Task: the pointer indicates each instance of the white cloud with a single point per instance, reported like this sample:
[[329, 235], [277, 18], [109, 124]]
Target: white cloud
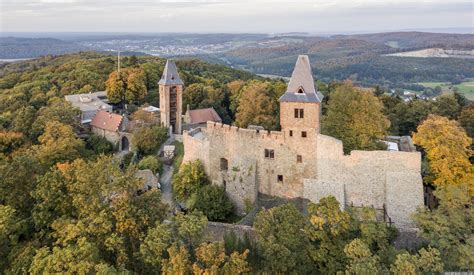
[[231, 15]]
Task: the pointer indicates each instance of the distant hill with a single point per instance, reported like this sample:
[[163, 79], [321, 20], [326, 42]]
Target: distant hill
[[362, 58], [14, 47], [417, 39]]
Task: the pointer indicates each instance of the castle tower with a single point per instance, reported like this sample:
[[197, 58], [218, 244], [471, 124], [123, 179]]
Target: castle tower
[[300, 105], [171, 97]]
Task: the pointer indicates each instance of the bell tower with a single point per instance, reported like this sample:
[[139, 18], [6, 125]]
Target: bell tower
[[171, 97], [300, 105]]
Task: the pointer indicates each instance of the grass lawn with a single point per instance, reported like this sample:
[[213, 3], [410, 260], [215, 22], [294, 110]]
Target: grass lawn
[[178, 155], [466, 88]]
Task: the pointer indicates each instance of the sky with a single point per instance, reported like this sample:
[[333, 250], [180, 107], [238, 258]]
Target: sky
[[233, 16]]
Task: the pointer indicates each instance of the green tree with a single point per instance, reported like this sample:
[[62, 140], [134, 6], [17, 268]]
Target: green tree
[[10, 229], [466, 119], [449, 227], [447, 106], [82, 258], [361, 260], [189, 228], [17, 180], [212, 259], [99, 145], [155, 244], [213, 202], [190, 178], [355, 117], [148, 140], [24, 120], [406, 116], [60, 111], [427, 261], [329, 234], [150, 162], [10, 141], [282, 241]]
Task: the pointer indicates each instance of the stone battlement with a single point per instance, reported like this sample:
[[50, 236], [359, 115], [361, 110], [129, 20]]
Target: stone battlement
[[225, 129]]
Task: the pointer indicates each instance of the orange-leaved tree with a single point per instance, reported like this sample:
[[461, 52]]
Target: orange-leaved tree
[[447, 149]]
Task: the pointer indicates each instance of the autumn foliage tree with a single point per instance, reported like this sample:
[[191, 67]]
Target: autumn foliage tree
[[447, 149], [128, 85], [258, 106], [58, 144], [355, 117]]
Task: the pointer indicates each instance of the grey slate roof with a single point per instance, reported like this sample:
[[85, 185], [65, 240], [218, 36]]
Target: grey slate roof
[[170, 75], [302, 79]]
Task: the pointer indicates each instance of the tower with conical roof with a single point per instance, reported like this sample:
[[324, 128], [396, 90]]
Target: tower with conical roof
[[171, 97], [300, 105]]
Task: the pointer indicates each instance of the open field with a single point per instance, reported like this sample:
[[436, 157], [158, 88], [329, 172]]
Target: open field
[[466, 88]]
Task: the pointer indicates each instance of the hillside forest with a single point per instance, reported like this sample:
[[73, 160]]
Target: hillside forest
[[68, 205]]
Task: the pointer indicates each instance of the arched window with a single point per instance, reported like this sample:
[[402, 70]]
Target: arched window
[[300, 90]]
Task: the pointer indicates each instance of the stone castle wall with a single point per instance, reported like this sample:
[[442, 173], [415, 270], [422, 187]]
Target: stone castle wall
[[369, 178]]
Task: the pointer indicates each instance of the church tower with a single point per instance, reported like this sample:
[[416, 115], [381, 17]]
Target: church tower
[[171, 97], [300, 105]]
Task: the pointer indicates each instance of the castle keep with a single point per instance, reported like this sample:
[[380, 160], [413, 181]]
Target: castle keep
[[298, 161]]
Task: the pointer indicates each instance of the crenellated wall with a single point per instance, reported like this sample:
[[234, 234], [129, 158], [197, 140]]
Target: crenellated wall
[[369, 178]]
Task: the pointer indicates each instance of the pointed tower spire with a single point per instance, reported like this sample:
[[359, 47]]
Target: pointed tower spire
[[301, 87], [170, 75]]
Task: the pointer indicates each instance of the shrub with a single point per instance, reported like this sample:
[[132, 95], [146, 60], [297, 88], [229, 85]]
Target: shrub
[[150, 162], [190, 178], [213, 202], [149, 139], [99, 145]]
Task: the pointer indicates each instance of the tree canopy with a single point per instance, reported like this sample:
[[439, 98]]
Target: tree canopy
[[356, 118]]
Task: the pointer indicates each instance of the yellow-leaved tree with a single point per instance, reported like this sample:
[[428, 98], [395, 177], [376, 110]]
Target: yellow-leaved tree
[[447, 149]]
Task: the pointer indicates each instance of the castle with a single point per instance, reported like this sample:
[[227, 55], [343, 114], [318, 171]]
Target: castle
[[298, 161]]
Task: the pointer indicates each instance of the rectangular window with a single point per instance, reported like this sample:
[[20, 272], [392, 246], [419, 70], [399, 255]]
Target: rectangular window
[[303, 134], [280, 178], [269, 153], [299, 113], [291, 133], [299, 158]]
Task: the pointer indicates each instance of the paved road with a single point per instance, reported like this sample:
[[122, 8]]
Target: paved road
[[165, 181]]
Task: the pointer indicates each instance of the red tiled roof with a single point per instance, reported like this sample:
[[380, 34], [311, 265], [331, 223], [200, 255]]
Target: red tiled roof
[[106, 121], [204, 115]]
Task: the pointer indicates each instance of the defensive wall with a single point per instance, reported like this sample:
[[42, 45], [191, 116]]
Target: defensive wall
[[236, 158]]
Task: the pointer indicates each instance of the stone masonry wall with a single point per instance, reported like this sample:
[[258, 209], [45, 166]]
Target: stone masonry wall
[[369, 178], [113, 137]]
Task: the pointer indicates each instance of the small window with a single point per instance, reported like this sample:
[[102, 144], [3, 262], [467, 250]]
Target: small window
[[303, 134], [299, 113], [224, 164], [291, 133], [269, 153], [280, 178], [300, 90], [224, 183], [299, 158]]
